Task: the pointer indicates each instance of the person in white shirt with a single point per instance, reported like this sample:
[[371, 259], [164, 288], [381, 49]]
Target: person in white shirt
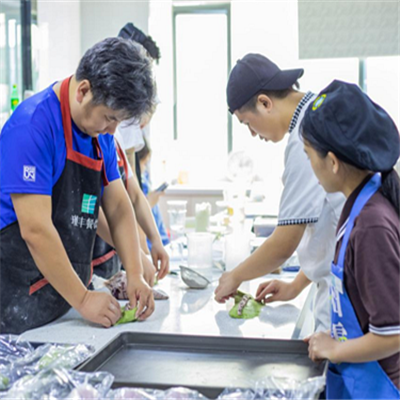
[[262, 97], [129, 140]]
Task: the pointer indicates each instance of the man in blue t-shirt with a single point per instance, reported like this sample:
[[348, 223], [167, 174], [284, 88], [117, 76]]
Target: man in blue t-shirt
[[57, 166]]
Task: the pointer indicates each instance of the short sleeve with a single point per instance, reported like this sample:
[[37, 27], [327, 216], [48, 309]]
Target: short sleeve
[[130, 136], [302, 197], [377, 276], [27, 153], [110, 158]]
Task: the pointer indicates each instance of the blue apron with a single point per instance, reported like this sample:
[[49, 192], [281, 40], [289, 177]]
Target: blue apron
[[353, 380]]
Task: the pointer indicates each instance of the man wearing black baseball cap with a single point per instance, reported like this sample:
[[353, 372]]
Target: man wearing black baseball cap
[[265, 98]]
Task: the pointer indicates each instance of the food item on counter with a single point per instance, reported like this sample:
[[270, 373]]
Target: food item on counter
[[117, 284], [246, 307], [127, 315]]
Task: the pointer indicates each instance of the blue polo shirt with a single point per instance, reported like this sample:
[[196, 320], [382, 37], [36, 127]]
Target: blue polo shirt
[[33, 151]]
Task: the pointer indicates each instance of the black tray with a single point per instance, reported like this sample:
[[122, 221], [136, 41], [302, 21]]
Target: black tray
[[207, 364]]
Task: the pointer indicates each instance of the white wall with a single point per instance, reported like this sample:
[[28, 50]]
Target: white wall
[[101, 19], [68, 28], [58, 41]]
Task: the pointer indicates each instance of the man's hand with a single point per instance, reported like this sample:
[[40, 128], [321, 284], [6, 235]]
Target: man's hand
[[149, 270], [140, 295], [160, 259], [321, 347], [101, 308], [278, 291], [227, 287]]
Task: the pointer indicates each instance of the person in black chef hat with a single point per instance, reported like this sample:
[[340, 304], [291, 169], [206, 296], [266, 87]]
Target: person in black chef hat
[[353, 145]]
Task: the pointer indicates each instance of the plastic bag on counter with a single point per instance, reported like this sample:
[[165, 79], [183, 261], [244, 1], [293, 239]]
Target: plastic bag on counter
[[25, 360], [237, 394], [51, 356], [84, 392], [182, 393], [11, 349], [283, 388], [176, 393], [60, 384], [277, 388], [135, 393]]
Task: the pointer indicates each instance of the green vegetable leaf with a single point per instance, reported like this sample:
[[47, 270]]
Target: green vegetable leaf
[[252, 308], [127, 316]]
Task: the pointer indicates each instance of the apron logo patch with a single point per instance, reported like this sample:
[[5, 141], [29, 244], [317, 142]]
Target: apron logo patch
[[29, 173], [88, 203], [318, 102], [339, 332]]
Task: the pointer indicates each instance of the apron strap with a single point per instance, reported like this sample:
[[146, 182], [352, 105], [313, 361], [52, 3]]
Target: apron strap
[[366, 193], [73, 155], [66, 114], [100, 157]]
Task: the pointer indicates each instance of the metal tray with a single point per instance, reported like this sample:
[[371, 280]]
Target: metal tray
[[207, 364]]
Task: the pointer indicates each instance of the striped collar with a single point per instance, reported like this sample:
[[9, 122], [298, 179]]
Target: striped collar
[[306, 98], [342, 230]]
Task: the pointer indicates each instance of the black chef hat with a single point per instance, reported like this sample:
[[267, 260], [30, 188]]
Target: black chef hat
[[130, 31], [345, 121]]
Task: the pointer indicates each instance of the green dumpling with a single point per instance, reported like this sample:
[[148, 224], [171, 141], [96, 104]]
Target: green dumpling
[[127, 316], [246, 307]]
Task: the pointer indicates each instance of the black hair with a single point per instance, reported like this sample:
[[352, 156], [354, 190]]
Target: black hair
[[120, 76], [390, 179], [391, 188], [277, 94], [144, 152]]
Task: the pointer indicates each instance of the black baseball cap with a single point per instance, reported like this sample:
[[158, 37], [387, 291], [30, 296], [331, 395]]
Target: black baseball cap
[[345, 121], [254, 73]]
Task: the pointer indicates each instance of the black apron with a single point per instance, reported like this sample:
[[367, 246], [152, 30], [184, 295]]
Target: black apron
[[106, 262], [27, 300]]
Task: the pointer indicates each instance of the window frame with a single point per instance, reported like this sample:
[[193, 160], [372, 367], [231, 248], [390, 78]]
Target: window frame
[[223, 8]]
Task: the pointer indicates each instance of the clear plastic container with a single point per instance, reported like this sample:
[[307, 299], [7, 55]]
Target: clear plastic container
[[200, 250]]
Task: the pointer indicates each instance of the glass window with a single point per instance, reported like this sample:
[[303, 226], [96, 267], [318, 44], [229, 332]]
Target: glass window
[[201, 71], [10, 55]]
